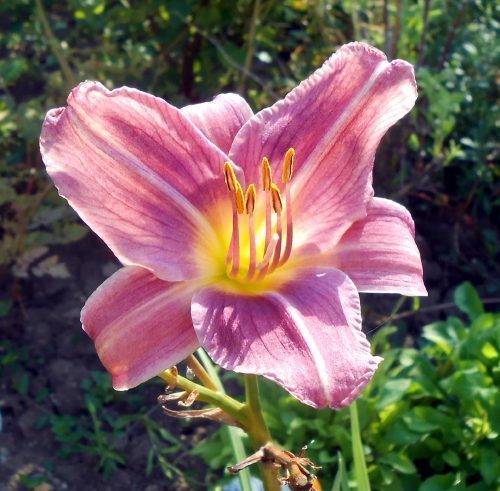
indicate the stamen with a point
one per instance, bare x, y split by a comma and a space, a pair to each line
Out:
234, 247
250, 197
267, 180
278, 208
288, 165
276, 199
240, 209
230, 177
231, 182
267, 176
245, 203
229, 256
269, 253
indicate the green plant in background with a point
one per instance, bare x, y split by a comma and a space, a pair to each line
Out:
187, 51
429, 419
100, 433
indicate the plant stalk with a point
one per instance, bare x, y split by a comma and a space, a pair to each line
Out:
258, 432
233, 433
228, 404
360, 470
200, 372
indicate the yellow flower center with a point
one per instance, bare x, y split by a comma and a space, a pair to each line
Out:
259, 245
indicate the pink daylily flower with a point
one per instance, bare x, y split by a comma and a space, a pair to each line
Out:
249, 235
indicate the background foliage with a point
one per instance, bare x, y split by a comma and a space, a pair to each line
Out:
429, 419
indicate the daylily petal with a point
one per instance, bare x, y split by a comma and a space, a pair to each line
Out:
139, 173
306, 336
140, 325
379, 253
220, 119
334, 120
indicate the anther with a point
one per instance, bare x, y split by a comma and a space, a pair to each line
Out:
267, 178
239, 199
276, 199
230, 177
250, 197
288, 162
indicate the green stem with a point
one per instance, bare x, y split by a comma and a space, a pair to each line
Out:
200, 372
54, 44
250, 47
257, 430
360, 470
228, 404
234, 433
259, 433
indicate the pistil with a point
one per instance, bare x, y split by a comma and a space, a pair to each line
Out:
286, 178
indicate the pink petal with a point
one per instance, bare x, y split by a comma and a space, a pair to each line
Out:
334, 120
139, 174
379, 253
220, 119
140, 325
306, 337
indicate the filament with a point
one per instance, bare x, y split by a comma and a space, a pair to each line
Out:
277, 250
269, 253
289, 225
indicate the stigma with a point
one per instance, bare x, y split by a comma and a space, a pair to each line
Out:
274, 247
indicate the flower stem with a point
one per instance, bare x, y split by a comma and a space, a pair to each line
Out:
228, 404
233, 433
201, 373
257, 430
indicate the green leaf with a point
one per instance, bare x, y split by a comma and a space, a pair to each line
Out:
451, 458
398, 462
468, 301
489, 465
5, 306
392, 391
442, 482
340, 483
360, 471
446, 335
7, 192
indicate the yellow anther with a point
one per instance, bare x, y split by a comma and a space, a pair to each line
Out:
276, 199
239, 199
267, 177
230, 177
250, 197
288, 165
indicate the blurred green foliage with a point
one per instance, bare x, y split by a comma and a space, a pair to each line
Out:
430, 418
443, 155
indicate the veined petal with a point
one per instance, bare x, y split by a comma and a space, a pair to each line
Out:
140, 325
334, 120
306, 336
219, 120
139, 173
379, 253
